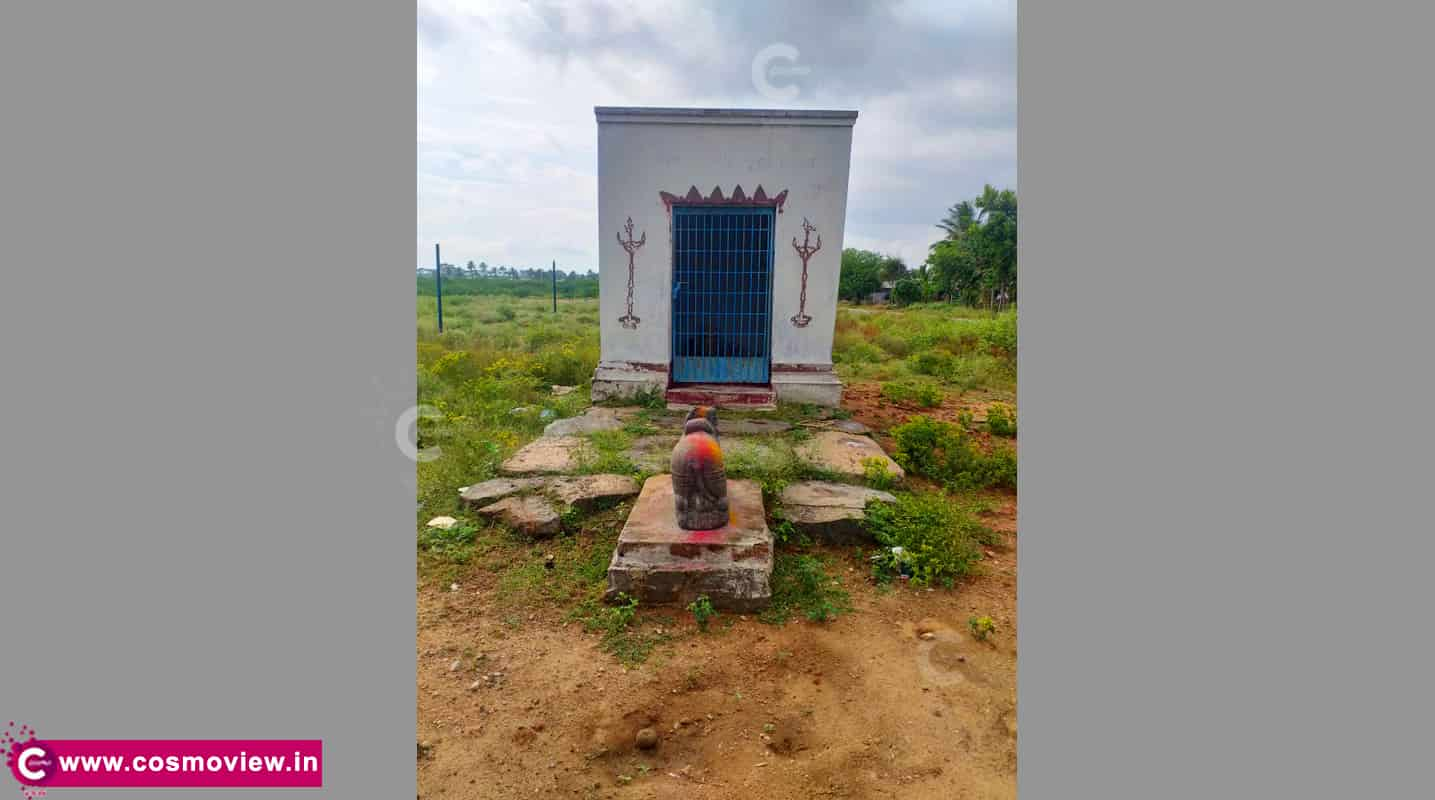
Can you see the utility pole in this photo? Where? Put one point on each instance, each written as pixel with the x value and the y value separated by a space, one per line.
pixel 438 276
pixel 555 287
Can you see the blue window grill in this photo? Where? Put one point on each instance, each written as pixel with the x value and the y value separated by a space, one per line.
pixel 722 294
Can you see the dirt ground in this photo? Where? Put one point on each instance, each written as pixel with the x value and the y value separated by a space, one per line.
pixel 868 406
pixel 860 707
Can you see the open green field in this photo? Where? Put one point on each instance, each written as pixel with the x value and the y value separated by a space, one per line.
pixel 487 378
pixel 948 349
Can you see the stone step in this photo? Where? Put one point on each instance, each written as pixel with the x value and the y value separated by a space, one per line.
pixel 660 563
pixel 722 395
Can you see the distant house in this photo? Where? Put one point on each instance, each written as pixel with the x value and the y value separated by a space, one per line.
pixel 883 294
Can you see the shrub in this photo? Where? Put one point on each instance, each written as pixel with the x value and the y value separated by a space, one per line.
pixel 568 365
pixel 982 627
pixel 454 544
pixel 939 541
pixel 945 453
pixel 932 362
pixel 1001 420
pixel 976 370
pixel 893 344
pixel 999 335
pixel 703 611
pixel 906 291
pixel 455 367
pixel 875 470
pixel 920 394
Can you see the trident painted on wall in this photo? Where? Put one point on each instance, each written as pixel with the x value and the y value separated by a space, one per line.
pixel 629 321
pixel 804 251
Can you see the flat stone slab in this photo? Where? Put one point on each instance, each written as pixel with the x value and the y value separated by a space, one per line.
pixel 532 515
pixel 749 427
pixel 756 453
pixel 584 492
pixel 658 562
pixel 658 417
pixel 547 454
pixel 481 494
pixel 849 426
pixel 843 453
pixel 653 453
pixel 832 512
pixel 596 418
pixel 587 492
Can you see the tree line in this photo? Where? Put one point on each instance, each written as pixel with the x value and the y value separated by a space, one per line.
pixel 506 281
pixel 974 263
pixel 483 270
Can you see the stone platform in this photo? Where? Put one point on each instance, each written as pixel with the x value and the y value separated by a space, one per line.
pixel 658 562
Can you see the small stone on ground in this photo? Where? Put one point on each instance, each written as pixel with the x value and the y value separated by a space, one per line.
pixel 530 515
pixel 596 418
pixel 586 492
pixel 481 494
pixel 850 426
pixel 559 391
pixel 442 522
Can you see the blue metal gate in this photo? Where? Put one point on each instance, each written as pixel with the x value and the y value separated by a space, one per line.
pixel 722 294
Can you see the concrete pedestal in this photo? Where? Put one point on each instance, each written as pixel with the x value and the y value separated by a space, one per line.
pixel 807 383
pixel 658 562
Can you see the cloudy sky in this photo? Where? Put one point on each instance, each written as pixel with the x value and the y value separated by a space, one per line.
pixel 507 144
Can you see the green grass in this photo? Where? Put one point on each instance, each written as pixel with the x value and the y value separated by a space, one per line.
pixel 486 382
pixel 950 346
pixel 609 453
pixel 626 636
pixel 803 586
